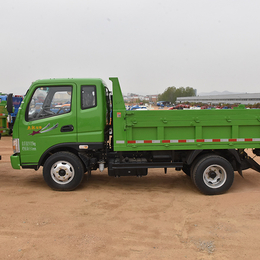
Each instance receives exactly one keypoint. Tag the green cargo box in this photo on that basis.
(183, 129)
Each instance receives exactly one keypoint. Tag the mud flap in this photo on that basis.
(254, 165)
(248, 162)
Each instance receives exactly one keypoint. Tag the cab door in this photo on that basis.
(91, 114)
(49, 121)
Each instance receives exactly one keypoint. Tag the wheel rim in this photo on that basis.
(62, 172)
(214, 176)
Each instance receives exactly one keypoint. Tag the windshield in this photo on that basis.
(49, 101)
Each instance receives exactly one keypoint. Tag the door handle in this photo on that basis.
(67, 128)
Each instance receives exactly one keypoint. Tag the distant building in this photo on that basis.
(245, 98)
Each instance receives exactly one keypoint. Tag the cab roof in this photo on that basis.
(79, 81)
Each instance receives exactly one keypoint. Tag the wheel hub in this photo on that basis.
(62, 172)
(214, 176)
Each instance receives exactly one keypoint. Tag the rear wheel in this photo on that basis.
(63, 171)
(212, 175)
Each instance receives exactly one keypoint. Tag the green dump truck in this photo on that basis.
(74, 126)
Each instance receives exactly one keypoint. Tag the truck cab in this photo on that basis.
(60, 114)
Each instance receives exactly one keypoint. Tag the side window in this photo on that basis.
(49, 102)
(88, 97)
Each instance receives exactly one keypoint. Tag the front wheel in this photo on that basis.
(63, 171)
(213, 175)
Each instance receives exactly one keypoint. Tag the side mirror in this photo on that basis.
(10, 103)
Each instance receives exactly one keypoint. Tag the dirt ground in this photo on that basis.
(154, 217)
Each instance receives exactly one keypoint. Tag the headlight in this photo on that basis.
(16, 146)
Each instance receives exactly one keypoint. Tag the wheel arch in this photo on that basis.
(64, 147)
(231, 155)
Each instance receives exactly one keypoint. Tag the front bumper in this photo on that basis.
(15, 161)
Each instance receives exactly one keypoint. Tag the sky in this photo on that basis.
(209, 45)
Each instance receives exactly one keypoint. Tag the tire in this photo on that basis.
(63, 171)
(212, 175)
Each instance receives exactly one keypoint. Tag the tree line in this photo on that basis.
(171, 93)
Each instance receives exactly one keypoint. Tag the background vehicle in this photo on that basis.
(7, 119)
(208, 145)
